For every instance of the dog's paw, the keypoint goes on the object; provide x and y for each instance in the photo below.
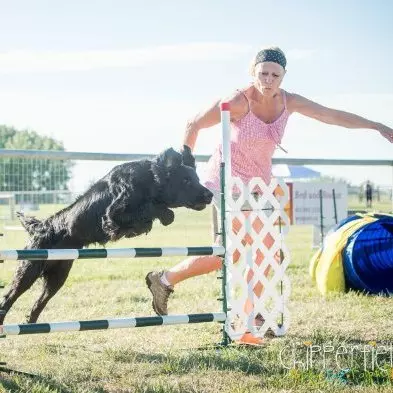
(166, 217)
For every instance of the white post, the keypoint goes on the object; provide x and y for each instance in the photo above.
(226, 141)
(225, 177)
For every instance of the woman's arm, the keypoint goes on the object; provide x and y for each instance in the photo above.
(207, 118)
(212, 116)
(336, 117)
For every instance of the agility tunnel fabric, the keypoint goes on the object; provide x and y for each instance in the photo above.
(357, 254)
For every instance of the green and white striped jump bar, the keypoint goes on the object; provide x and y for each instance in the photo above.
(66, 254)
(103, 324)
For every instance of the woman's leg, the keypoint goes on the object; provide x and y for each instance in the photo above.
(192, 267)
(161, 283)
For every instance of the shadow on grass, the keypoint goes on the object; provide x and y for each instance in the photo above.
(271, 363)
(321, 337)
(24, 383)
(249, 362)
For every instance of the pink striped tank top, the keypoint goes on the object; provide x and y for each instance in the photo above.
(252, 147)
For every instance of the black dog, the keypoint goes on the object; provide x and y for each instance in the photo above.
(124, 203)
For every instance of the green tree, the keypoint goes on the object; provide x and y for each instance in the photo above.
(26, 174)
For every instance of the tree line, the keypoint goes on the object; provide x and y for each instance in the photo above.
(22, 174)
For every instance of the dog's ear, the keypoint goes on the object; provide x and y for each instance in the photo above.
(170, 158)
(188, 158)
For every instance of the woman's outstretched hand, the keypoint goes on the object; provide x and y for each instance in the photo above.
(386, 132)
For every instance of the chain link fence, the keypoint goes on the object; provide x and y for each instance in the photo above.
(31, 180)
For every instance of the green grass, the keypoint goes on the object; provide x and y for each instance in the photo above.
(166, 359)
(383, 205)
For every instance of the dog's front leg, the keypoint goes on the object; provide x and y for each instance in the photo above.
(165, 215)
(138, 221)
(123, 219)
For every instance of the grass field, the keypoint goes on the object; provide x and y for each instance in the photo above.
(353, 329)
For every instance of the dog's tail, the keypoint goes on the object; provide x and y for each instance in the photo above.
(31, 224)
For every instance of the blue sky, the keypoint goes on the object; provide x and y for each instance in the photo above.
(124, 76)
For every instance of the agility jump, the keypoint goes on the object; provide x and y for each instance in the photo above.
(258, 249)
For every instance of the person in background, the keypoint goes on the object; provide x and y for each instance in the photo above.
(369, 195)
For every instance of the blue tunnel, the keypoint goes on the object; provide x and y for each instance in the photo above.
(368, 256)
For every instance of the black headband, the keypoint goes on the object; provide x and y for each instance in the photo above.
(271, 55)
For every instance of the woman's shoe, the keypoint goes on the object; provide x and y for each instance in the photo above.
(249, 339)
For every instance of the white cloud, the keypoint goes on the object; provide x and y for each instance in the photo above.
(51, 61)
(298, 54)
(301, 54)
(24, 61)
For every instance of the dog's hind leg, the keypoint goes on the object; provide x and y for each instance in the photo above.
(53, 278)
(26, 274)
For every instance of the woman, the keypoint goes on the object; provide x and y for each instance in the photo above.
(259, 114)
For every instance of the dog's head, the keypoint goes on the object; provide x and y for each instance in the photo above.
(178, 181)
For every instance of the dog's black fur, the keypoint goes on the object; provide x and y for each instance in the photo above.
(124, 203)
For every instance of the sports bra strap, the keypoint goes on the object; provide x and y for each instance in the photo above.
(284, 98)
(248, 101)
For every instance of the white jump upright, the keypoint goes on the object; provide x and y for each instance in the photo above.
(256, 257)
